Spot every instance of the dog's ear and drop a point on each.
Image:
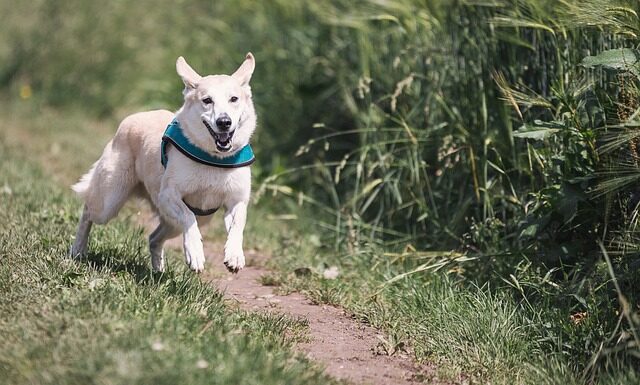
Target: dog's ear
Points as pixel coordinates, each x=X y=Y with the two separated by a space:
x=244 y=72
x=188 y=75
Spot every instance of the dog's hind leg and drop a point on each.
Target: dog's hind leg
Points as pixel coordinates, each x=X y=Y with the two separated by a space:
x=157 y=238
x=107 y=186
x=104 y=189
x=79 y=247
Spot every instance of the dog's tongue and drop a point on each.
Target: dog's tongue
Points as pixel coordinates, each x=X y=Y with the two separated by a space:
x=223 y=136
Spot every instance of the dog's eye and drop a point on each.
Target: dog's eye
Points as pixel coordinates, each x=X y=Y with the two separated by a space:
x=207 y=100
x=234 y=99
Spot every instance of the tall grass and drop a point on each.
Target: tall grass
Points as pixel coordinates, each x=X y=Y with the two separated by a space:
x=478 y=131
x=460 y=136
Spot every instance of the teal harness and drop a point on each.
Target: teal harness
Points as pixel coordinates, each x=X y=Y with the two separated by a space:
x=175 y=136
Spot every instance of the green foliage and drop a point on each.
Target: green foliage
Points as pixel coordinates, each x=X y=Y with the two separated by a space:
x=539 y=130
x=434 y=160
x=623 y=59
x=64 y=54
x=493 y=142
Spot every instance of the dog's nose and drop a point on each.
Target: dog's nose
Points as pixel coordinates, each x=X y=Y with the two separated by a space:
x=223 y=122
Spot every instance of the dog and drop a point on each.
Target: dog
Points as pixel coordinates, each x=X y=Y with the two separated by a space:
x=186 y=164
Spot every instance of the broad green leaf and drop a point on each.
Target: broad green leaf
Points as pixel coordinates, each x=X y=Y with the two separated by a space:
x=624 y=59
x=530 y=231
x=536 y=132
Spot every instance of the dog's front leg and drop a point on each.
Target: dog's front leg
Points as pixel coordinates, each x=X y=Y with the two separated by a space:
x=178 y=214
x=235 y=219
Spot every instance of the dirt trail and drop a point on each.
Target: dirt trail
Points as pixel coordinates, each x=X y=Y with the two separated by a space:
x=344 y=346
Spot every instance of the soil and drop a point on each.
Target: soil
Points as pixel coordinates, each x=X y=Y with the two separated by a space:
x=345 y=347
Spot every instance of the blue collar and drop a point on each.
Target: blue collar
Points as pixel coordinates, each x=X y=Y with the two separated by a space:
x=176 y=137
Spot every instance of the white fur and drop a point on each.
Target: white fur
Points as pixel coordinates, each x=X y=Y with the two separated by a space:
x=130 y=165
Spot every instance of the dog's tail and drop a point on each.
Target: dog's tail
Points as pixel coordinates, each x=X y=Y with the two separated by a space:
x=82 y=186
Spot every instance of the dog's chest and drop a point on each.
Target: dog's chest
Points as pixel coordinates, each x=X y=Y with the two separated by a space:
x=210 y=187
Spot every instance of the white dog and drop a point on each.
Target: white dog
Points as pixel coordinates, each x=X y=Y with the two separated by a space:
x=187 y=165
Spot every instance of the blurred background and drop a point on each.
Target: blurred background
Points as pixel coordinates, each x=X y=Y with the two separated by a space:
x=495 y=140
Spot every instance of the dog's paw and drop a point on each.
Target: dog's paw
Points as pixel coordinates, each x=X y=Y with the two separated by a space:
x=233 y=258
x=77 y=252
x=194 y=253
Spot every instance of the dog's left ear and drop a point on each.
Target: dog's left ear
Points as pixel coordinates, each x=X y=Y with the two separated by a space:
x=244 y=72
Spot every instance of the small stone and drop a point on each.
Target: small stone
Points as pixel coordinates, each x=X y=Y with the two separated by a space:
x=55 y=148
x=331 y=273
x=157 y=346
x=202 y=364
x=7 y=190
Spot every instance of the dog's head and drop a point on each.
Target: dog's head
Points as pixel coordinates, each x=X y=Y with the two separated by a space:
x=218 y=113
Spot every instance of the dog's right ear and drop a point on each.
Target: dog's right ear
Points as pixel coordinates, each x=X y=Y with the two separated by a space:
x=190 y=78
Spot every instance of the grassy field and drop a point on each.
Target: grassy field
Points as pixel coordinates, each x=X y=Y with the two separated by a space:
x=109 y=320
x=469 y=167
x=94 y=313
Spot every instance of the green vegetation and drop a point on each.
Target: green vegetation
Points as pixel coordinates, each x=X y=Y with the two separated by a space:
x=491 y=140
x=472 y=166
x=109 y=320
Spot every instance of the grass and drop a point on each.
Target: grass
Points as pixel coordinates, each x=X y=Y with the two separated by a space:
x=495 y=333
x=464 y=217
x=108 y=319
x=462 y=162
x=85 y=317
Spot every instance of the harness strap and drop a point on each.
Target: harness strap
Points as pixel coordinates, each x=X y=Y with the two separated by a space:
x=200 y=212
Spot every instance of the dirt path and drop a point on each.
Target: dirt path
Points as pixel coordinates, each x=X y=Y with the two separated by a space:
x=344 y=346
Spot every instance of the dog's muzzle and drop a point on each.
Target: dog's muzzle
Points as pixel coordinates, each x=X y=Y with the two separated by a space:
x=222 y=139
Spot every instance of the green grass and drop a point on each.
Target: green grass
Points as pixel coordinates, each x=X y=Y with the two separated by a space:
x=108 y=319
x=460 y=203
x=497 y=333
x=463 y=171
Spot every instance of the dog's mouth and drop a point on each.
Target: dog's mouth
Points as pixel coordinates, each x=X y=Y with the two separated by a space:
x=222 y=139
